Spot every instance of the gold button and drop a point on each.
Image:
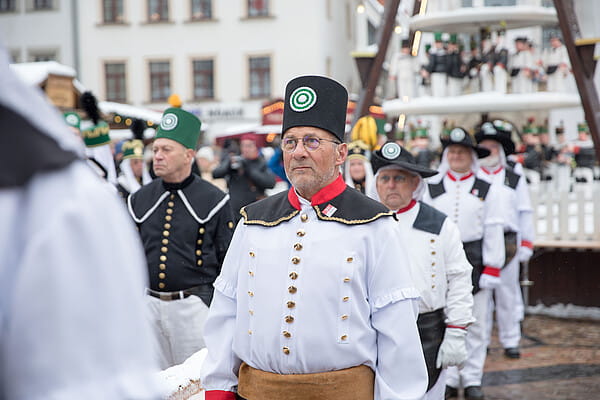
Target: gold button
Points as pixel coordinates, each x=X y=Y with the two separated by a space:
x=199 y=241
x=286 y=351
x=346 y=279
x=198 y=252
x=165 y=233
x=199 y=262
x=344 y=337
x=349 y=259
x=162 y=258
x=169 y=211
x=300 y=232
x=291 y=304
x=344 y=317
x=162 y=266
x=164 y=249
x=170 y=204
x=345 y=298
x=289 y=319
x=168 y=217
x=432 y=240
x=167 y=226
x=201 y=231
x=304 y=218
x=433 y=286
x=250 y=312
x=249 y=332
x=292 y=289
x=286 y=334
x=161 y=275
x=433 y=275
x=251 y=254
x=433 y=253
x=433 y=263
x=251 y=294
x=297 y=246
x=172 y=196
x=230 y=225
x=165 y=241
x=293 y=275
x=161 y=285
x=295 y=260
x=251 y=273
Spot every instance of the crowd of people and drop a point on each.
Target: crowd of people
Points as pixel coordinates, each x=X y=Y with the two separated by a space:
x=374 y=274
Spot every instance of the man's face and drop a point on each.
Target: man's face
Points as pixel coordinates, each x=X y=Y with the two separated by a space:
x=460 y=158
x=310 y=171
x=395 y=187
x=492 y=146
x=137 y=166
x=248 y=149
x=357 y=169
x=171 y=159
x=555 y=42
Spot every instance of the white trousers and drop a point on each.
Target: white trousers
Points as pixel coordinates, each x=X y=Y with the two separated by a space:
x=178 y=326
x=438 y=391
x=472 y=372
x=500 y=79
x=438 y=84
x=486 y=78
x=508 y=302
x=455 y=86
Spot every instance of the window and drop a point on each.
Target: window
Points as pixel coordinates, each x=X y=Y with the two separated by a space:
x=160 y=80
x=158 y=10
x=42 y=4
x=260 y=77
x=203 y=79
x=42 y=56
x=114 y=76
x=500 y=3
x=258 y=8
x=201 y=9
x=7 y=5
x=112 y=11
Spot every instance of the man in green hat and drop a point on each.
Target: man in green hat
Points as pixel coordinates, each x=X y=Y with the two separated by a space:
x=438 y=67
x=585 y=156
x=185 y=224
x=134 y=173
x=456 y=68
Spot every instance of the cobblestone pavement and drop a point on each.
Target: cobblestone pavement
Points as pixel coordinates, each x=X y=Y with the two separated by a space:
x=560 y=360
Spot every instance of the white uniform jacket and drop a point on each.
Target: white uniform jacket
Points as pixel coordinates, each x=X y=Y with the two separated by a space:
x=308 y=288
x=439 y=267
x=476 y=208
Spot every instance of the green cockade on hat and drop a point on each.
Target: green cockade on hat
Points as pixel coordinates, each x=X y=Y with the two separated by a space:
x=180 y=126
x=72 y=119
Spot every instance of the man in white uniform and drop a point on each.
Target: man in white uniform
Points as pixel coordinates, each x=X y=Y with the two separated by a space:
x=518 y=230
x=72 y=274
x=438 y=263
x=315 y=299
x=475 y=206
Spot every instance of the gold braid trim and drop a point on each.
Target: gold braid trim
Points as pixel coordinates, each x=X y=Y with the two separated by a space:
x=352 y=222
x=265 y=223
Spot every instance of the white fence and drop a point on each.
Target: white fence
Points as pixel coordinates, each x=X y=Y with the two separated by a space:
x=567 y=219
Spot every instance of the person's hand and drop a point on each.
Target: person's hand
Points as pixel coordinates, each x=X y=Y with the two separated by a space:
x=453 y=350
x=524 y=253
x=490 y=278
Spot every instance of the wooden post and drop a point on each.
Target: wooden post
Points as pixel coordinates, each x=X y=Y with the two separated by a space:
x=581 y=54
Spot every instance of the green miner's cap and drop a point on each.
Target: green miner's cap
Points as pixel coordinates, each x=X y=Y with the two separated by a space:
x=400 y=135
x=96 y=135
x=582 y=127
x=180 y=126
x=529 y=129
x=72 y=119
x=133 y=149
x=437 y=36
x=453 y=38
x=422 y=133
x=541 y=129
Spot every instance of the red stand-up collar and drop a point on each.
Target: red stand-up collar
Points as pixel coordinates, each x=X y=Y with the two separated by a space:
x=487 y=171
x=467 y=176
x=410 y=205
x=329 y=192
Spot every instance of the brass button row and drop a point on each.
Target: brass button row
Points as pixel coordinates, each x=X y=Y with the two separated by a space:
x=297 y=246
x=291 y=304
x=304 y=218
x=201 y=231
x=292 y=289
x=295 y=260
x=161 y=285
x=286 y=334
x=293 y=275
x=170 y=204
x=199 y=242
x=286 y=350
x=289 y=319
x=301 y=232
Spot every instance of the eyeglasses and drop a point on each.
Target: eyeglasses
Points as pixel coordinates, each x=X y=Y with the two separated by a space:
x=387 y=178
x=311 y=143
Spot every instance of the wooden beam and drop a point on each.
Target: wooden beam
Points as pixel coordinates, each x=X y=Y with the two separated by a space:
x=385 y=32
x=583 y=64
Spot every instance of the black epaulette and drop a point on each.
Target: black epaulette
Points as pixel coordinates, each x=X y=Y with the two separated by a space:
x=436 y=189
x=511 y=163
x=511 y=179
x=480 y=188
x=429 y=219
x=350 y=208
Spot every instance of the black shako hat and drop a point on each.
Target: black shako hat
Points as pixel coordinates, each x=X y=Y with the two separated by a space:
x=391 y=153
x=500 y=131
x=315 y=101
x=461 y=137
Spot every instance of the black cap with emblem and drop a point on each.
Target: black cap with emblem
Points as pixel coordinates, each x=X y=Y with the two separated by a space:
x=458 y=136
x=391 y=153
x=315 y=101
x=498 y=130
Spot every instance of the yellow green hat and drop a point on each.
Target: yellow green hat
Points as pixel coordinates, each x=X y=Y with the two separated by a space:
x=180 y=126
x=133 y=149
x=96 y=135
x=358 y=149
x=582 y=127
x=72 y=119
